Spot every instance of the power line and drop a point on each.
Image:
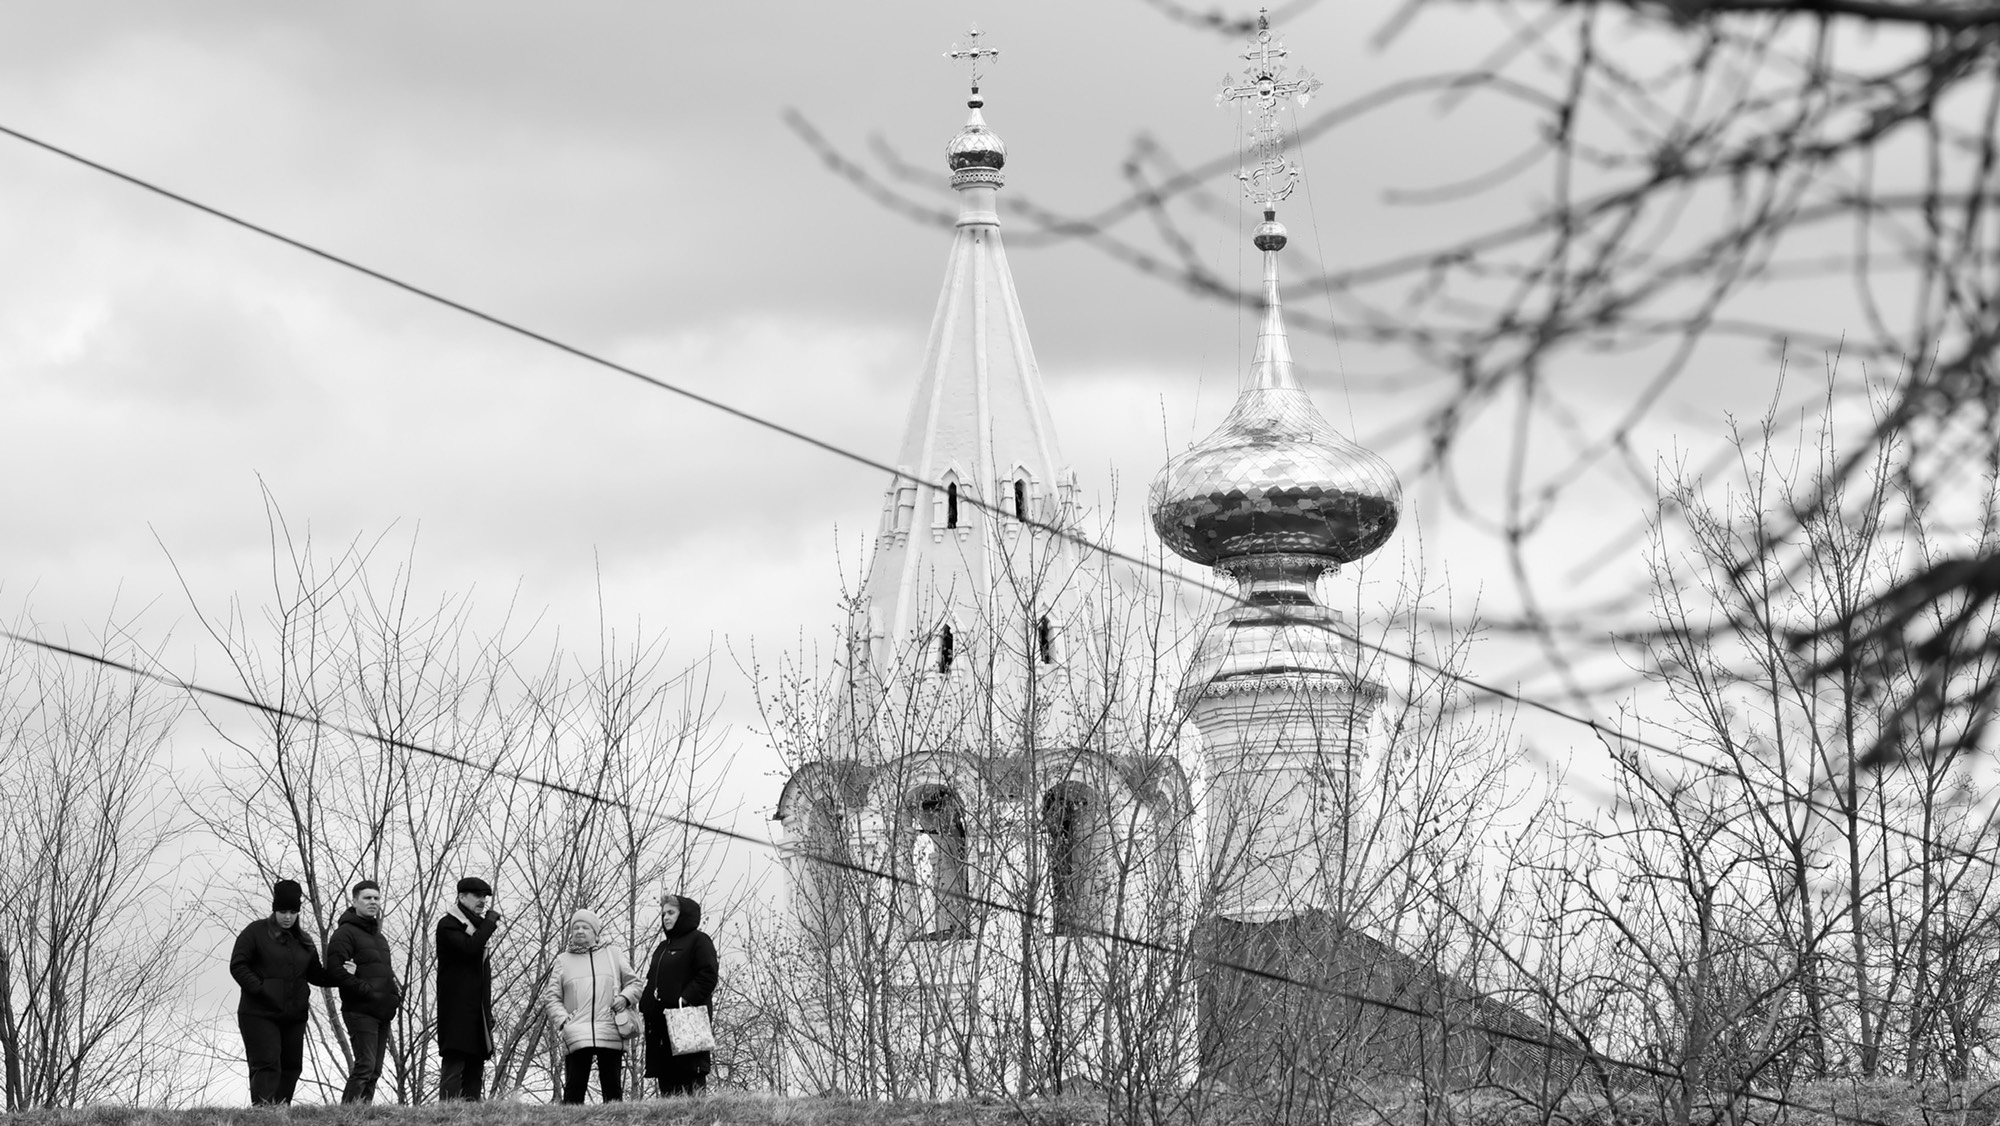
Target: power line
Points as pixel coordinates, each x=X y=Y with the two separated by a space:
x=1583 y=1052
x=1605 y=733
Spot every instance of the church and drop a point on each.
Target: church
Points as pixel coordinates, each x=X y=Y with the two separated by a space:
x=1029 y=856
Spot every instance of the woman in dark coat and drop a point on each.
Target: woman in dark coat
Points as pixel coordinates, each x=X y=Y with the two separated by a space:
x=277 y=964
x=682 y=971
x=465 y=991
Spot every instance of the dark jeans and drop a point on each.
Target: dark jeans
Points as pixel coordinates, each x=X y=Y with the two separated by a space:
x=461 y=1077
x=685 y=1085
x=610 y=1074
x=276 y=1053
x=371 y=1043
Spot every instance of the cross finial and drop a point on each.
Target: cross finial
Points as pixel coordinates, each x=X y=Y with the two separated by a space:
x=1265 y=84
x=972 y=52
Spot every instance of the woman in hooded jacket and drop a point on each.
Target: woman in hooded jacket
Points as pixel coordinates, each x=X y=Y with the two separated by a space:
x=682 y=972
x=591 y=983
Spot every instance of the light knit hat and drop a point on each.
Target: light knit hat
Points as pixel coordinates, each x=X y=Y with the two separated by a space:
x=586 y=915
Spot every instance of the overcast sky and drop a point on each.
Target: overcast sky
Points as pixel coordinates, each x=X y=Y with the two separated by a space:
x=620 y=176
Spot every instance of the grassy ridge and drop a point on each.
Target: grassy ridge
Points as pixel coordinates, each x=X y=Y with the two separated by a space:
x=1891 y=1103
x=727 y=1109
x=1888 y=1102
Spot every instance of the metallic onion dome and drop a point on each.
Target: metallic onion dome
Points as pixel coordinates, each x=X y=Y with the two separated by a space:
x=1275 y=477
x=976 y=146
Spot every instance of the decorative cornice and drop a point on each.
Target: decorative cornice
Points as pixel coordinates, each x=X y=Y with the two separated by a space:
x=978 y=177
x=1310 y=682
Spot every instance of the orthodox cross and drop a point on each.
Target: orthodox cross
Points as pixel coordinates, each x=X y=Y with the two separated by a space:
x=1274 y=176
x=971 y=51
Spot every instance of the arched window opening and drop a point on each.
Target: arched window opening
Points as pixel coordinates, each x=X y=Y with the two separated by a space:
x=944 y=649
x=1020 y=499
x=1045 y=640
x=1069 y=817
x=938 y=862
x=951 y=505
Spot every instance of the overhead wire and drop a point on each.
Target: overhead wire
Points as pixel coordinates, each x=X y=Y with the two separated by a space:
x=1605 y=733
x=1583 y=1052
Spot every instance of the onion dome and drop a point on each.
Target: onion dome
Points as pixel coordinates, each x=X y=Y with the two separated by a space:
x=976 y=146
x=1275 y=477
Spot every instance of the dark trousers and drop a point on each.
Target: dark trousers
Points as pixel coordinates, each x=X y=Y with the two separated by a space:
x=693 y=1084
x=370 y=1040
x=276 y=1053
x=462 y=1076
x=610 y=1074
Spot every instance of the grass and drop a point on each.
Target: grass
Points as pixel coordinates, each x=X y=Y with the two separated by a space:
x=1885 y=1102
x=722 y=1109
x=1891 y=1103
x=1888 y=1102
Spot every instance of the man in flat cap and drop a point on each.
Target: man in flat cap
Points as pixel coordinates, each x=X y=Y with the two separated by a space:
x=465 y=990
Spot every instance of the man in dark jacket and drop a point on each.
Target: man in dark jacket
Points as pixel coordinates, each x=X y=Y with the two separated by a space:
x=682 y=973
x=465 y=991
x=277 y=964
x=368 y=999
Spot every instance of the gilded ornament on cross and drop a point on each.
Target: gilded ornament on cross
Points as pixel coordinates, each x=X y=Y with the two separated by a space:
x=1264 y=85
x=971 y=51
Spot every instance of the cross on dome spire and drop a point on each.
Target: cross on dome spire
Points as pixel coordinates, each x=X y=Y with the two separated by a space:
x=1274 y=176
x=970 y=51
x=976 y=154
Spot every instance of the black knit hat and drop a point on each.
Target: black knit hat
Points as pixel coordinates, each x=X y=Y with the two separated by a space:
x=473 y=885
x=287 y=895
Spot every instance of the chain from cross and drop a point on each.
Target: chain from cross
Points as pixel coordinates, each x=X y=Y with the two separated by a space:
x=972 y=52
x=1274 y=177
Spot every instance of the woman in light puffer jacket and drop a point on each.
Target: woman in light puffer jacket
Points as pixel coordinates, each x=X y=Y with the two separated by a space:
x=592 y=983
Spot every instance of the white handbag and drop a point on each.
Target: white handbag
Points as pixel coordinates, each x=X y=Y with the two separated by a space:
x=630 y=1024
x=689 y=1030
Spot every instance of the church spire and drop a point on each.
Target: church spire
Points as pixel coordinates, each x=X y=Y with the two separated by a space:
x=979 y=461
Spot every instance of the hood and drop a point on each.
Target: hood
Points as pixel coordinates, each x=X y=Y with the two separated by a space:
x=358 y=919
x=690 y=918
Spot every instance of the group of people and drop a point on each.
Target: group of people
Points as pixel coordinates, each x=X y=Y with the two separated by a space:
x=592 y=993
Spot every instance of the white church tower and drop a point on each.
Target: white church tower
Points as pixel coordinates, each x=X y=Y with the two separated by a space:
x=1275 y=499
x=969 y=828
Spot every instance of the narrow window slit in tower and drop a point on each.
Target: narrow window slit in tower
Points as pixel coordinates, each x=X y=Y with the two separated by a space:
x=1045 y=641
x=944 y=649
x=951 y=505
x=1020 y=499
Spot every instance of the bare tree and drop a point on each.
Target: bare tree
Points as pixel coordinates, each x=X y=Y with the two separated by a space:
x=1776 y=705
x=1750 y=909
x=403 y=742
x=88 y=1001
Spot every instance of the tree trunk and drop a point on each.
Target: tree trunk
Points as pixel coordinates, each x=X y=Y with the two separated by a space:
x=10 y=1035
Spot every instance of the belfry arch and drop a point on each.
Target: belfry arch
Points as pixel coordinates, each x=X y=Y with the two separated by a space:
x=935 y=848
